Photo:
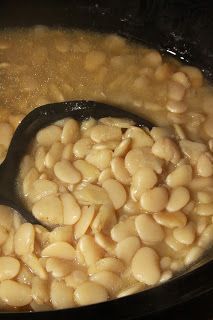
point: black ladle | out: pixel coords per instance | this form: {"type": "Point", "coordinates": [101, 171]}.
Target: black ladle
{"type": "Point", "coordinates": [26, 131]}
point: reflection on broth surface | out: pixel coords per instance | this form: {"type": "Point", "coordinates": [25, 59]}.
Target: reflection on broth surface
{"type": "Point", "coordinates": [133, 206]}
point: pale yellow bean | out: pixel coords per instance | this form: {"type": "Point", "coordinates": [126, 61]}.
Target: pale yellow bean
{"type": "Point", "coordinates": [152, 59]}
{"type": "Point", "coordinates": [202, 223]}
{"type": "Point", "coordinates": [40, 307]}
{"type": "Point", "coordinates": [181, 78]}
{"type": "Point", "coordinates": [6, 217]}
{"type": "Point", "coordinates": [61, 296]}
{"type": "Point", "coordinates": [25, 275]}
{"type": "Point", "coordinates": [91, 195]}
{"type": "Point", "coordinates": [207, 104]}
{"type": "Point", "coordinates": [76, 278]}
{"type": "Point", "coordinates": [148, 230]}
{"type": "Point", "coordinates": [105, 219]}
{"type": "Point", "coordinates": [24, 239]}
{"type": "Point", "coordinates": [165, 276]}
{"type": "Point", "coordinates": [204, 209]}
{"type": "Point", "coordinates": [185, 235]}
{"type": "Point", "coordinates": [40, 290]}
{"type": "Point", "coordinates": [177, 265]}
{"type": "Point", "coordinates": [47, 136]}
{"type": "Point", "coordinates": [49, 209]}
{"type": "Point", "coordinates": [15, 294]}
{"type": "Point", "coordinates": [145, 266]}
{"type": "Point", "coordinates": [65, 172]}
{"type": "Point", "coordinates": [130, 208]}
{"type": "Point", "coordinates": [26, 164]}
{"type": "Point", "coordinates": [123, 229]}
{"type": "Point", "coordinates": [122, 149]}
{"type": "Point", "coordinates": [139, 158]}
{"type": "Point", "coordinates": [130, 290]}
{"type": "Point", "coordinates": [102, 133]}
{"type": "Point", "coordinates": [109, 280]}
{"type": "Point", "coordinates": [163, 71]}
{"type": "Point", "coordinates": [105, 242]}
{"type": "Point", "coordinates": [88, 124]}
{"type": "Point", "coordinates": [200, 183]}
{"type": "Point", "coordinates": [178, 199]}
{"type": "Point", "coordinates": [71, 209]}
{"type": "Point", "coordinates": [100, 158]}
{"type": "Point", "coordinates": [206, 237]}
{"type": "Point", "coordinates": [194, 74]}
{"type": "Point", "coordinates": [158, 132]}
{"type": "Point", "coordinates": [88, 171]}
{"type": "Point", "coordinates": [105, 175]}
{"type": "Point", "coordinates": [204, 197]}
{"type": "Point", "coordinates": [117, 122]}
{"type": "Point", "coordinates": [84, 222]}
{"type": "Point", "coordinates": [143, 179]}
{"type": "Point", "coordinates": [82, 147]}
{"type": "Point", "coordinates": [67, 153]}
{"type": "Point", "coordinates": [192, 150]}
{"type": "Point", "coordinates": [107, 264]}
{"type": "Point", "coordinates": [180, 176]}
{"type": "Point", "coordinates": [62, 233]}
{"type": "Point", "coordinates": [8, 245]}
{"type": "Point", "coordinates": [70, 132]}
{"type": "Point", "coordinates": [17, 220]}
{"type": "Point", "coordinates": [40, 155]}
{"type": "Point", "coordinates": [154, 200]}
{"type": "Point", "coordinates": [90, 293]}
{"type": "Point", "coordinates": [3, 152]}
{"type": "Point", "coordinates": [3, 235]}
{"type": "Point", "coordinates": [167, 149]}
{"type": "Point", "coordinates": [42, 188]}
{"type": "Point", "coordinates": [41, 235]}
{"type": "Point", "coordinates": [170, 219]}
{"type": "Point", "coordinates": [193, 254]}
{"type": "Point", "coordinates": [60, 250]}
{"type": "Point", "coordinates": [139, 137]}
{"type": "Point", "coordinates": [132, 243]}
{"type": "Point", "coordinates": [90, 250]}
{"type": "Point", "coordinates": [116, 192]}
{"type": "Point", "coordinates": [34, 265]}
{"type": "Point", "coordinates": [29, 180]}
{"type": "Point", "coordinates": [176, 91]}
{"type": "Point", "coordinates": [58, 268]}
{"type": "Point", "coordinates": [54, 154]}
{"type": "Point", "coordinates": [119, 171]}
{"type": "Point", "coordinates": [179, 131]}
{"type": "Point", "coordinates": [173, 243]}
{"type": "Point", "coordinates": [9, 268]}
{"type": "Point", "coordinates": [165, 263]}
{"type": "Point", "coordinates": [114, 43]}
{"type": "Point", "coordinates": [204, 166]}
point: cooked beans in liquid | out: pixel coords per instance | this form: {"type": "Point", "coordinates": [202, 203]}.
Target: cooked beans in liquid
{"type": "Point", "coordinates": [129, 207]}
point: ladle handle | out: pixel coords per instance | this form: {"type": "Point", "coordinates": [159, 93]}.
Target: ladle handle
{"type": "Point", "coordinates": [6, 184]}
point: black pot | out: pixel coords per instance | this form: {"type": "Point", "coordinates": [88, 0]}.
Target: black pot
{"type": "Point", "coordinates": [178, 27]}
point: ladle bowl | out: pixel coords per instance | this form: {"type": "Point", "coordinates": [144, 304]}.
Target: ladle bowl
{"type": "Point", "coordinates": [37, 119]}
